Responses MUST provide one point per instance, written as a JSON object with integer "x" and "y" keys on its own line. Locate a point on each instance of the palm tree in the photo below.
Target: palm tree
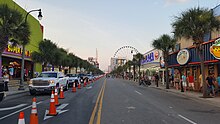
{"x": 165, "y": 43}
{"x": 129, "y": 63}
{"x": 46, "y": 54}
{"x": 12, "y": 29}
{"x": 138, "y": 57}
{"x": 194, "y": 24}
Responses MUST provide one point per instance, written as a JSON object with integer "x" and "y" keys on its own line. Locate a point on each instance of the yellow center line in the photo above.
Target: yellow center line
{"x": 100, "y": 106}
{"x": 91, "y": 121}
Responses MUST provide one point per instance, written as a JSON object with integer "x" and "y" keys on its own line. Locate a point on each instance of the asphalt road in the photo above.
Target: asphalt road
{"x": 76, "y": 107}
{"x": 113, "y": 101}
{"x": 127, "y": 103}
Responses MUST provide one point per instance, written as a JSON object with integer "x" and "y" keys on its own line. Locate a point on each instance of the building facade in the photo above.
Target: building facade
{"x": 153, "y": 63}
{"x": 185, "y": 59}
{"x": 11, "y": 57}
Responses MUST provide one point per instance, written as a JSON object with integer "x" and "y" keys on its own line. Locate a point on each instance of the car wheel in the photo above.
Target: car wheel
{"x": 32, "y": 92}
{"x": 66, "y": 87}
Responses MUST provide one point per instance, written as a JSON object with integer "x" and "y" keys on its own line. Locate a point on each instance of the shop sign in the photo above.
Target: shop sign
{"x": 215, "y": 49}
{"x": 149, "y": 57}
{"x": 16, "y": 50}
{"x": 156, "y": 55}
{"x": 183, "y": 56}
{"x": 162, "y": 63}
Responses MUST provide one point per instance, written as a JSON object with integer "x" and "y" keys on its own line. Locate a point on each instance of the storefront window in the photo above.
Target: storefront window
{"x": 210, "y": 69}
{"x": 187, "y": 71}
{"x": 194, "y": 71}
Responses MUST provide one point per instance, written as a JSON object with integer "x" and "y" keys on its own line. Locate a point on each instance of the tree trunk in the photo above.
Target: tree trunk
{"x": 166, "y": 69}
{"x": 129, "y": 73}
{"x": 200, "y": 52}
{"x": 69, "y": 69}
{"x": 0, "y": 65}
{"x": 139, "y": 72}
{"x": 134, "y": 72}
{"x": 21, "y": 87}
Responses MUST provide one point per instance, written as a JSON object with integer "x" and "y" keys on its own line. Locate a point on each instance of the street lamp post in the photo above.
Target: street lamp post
{"x": 21, "y": 87}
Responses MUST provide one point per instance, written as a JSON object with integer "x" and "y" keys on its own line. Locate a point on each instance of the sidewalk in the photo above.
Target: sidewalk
{"x": 13, "y": 90}
{"x": 191, "y": 94}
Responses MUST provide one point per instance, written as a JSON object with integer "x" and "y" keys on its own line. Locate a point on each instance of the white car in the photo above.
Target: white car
{"x": 73, "y": 78}
{"x": 47, "y": 81}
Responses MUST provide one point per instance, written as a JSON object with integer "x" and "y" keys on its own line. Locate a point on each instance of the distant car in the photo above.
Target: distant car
{"x": 47, "y": 81}
{"x": 90, "y": 77}
{"x": 73, "y": 78}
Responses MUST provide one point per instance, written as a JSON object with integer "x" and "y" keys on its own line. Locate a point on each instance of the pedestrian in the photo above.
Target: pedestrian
{"x": 156, "y": 79}
{"x": 190, "y": 80}
{"x": 210, "y": 84}
{"x": 177, "y": 80}
{"x": 184, "y": 82}
{"x": 218, "y": 81}
{"x": 153, "y": 78}
{"x": 6, "y": 80}
{"x": 200, "y": 82}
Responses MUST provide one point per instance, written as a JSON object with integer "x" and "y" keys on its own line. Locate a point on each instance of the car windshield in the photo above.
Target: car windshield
{"x": 47, "y": 75}
{"x": 71, "y": 75}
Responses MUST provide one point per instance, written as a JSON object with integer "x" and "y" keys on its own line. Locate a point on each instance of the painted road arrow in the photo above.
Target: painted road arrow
{"x": 58, "y": 109}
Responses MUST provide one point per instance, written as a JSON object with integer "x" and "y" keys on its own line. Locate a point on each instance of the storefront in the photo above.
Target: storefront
{"x": 152, "y": 63}
{"x": 11, "y": 57}
{"x": 187, "y": 61}
{"x": 11, "y": 62}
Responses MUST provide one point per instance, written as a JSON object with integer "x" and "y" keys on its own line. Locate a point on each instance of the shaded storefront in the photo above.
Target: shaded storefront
{"x": 11, "y": 62}
{"x": 187, "y": 61}
{"x": 151, "y": 64}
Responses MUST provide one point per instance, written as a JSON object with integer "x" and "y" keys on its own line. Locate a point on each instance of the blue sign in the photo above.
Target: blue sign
{"x": 148, "y": 58}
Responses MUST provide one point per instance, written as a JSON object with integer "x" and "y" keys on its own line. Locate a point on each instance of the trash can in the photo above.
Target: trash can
{"x": 2, "y": 93}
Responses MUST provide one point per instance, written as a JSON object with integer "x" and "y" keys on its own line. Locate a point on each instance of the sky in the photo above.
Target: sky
{"x": 82, "y": 26}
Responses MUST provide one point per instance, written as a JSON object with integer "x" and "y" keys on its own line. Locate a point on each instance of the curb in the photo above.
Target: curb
{"x": 16, "y": 93}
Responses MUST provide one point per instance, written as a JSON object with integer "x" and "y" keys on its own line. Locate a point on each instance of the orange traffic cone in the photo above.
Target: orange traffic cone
{"x": 56, "y": 98}
{"x": 61, "y": 93}
{"x": 34, "y": 117}
{"x": 21, "y": 118}
{"x": 84, "y": 84}
{"x": 79, "y": 85}
{"x": 52, "y": 110}
{"x": 74, "y": 87}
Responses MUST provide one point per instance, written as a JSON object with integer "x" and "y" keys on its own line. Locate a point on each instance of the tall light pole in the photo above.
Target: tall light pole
{"x": 21, "y": 87}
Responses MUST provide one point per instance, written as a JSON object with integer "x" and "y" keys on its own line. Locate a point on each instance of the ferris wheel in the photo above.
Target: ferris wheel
{"x": 125, "y": 53}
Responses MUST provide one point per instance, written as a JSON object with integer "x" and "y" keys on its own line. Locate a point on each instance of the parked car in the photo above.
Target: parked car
{"x": 2, "y": 93}
{"x": 73, "y": 78}
{"x": 90, "y": 77}
{"x": 47, "y": 81}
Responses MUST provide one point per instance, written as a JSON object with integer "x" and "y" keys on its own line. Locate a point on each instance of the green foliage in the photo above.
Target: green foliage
{"x": 12, "y": 27}
{"x": 164, "y": 43}
{"x": 50, "y": 53}
{"x": 195, "y": 23}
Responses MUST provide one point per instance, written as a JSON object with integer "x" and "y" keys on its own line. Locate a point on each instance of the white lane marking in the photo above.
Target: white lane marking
{"x": 138, "y": 92}
{"x": 18, "y": 111}
{"x": 170, "y": 107}
{"x": 90, "y": 87}
{"x": 190, "y": 121}
{"x": 131, "y": 107}
{"x": 62, "y": 106}
{"x": 14, "y": 107}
